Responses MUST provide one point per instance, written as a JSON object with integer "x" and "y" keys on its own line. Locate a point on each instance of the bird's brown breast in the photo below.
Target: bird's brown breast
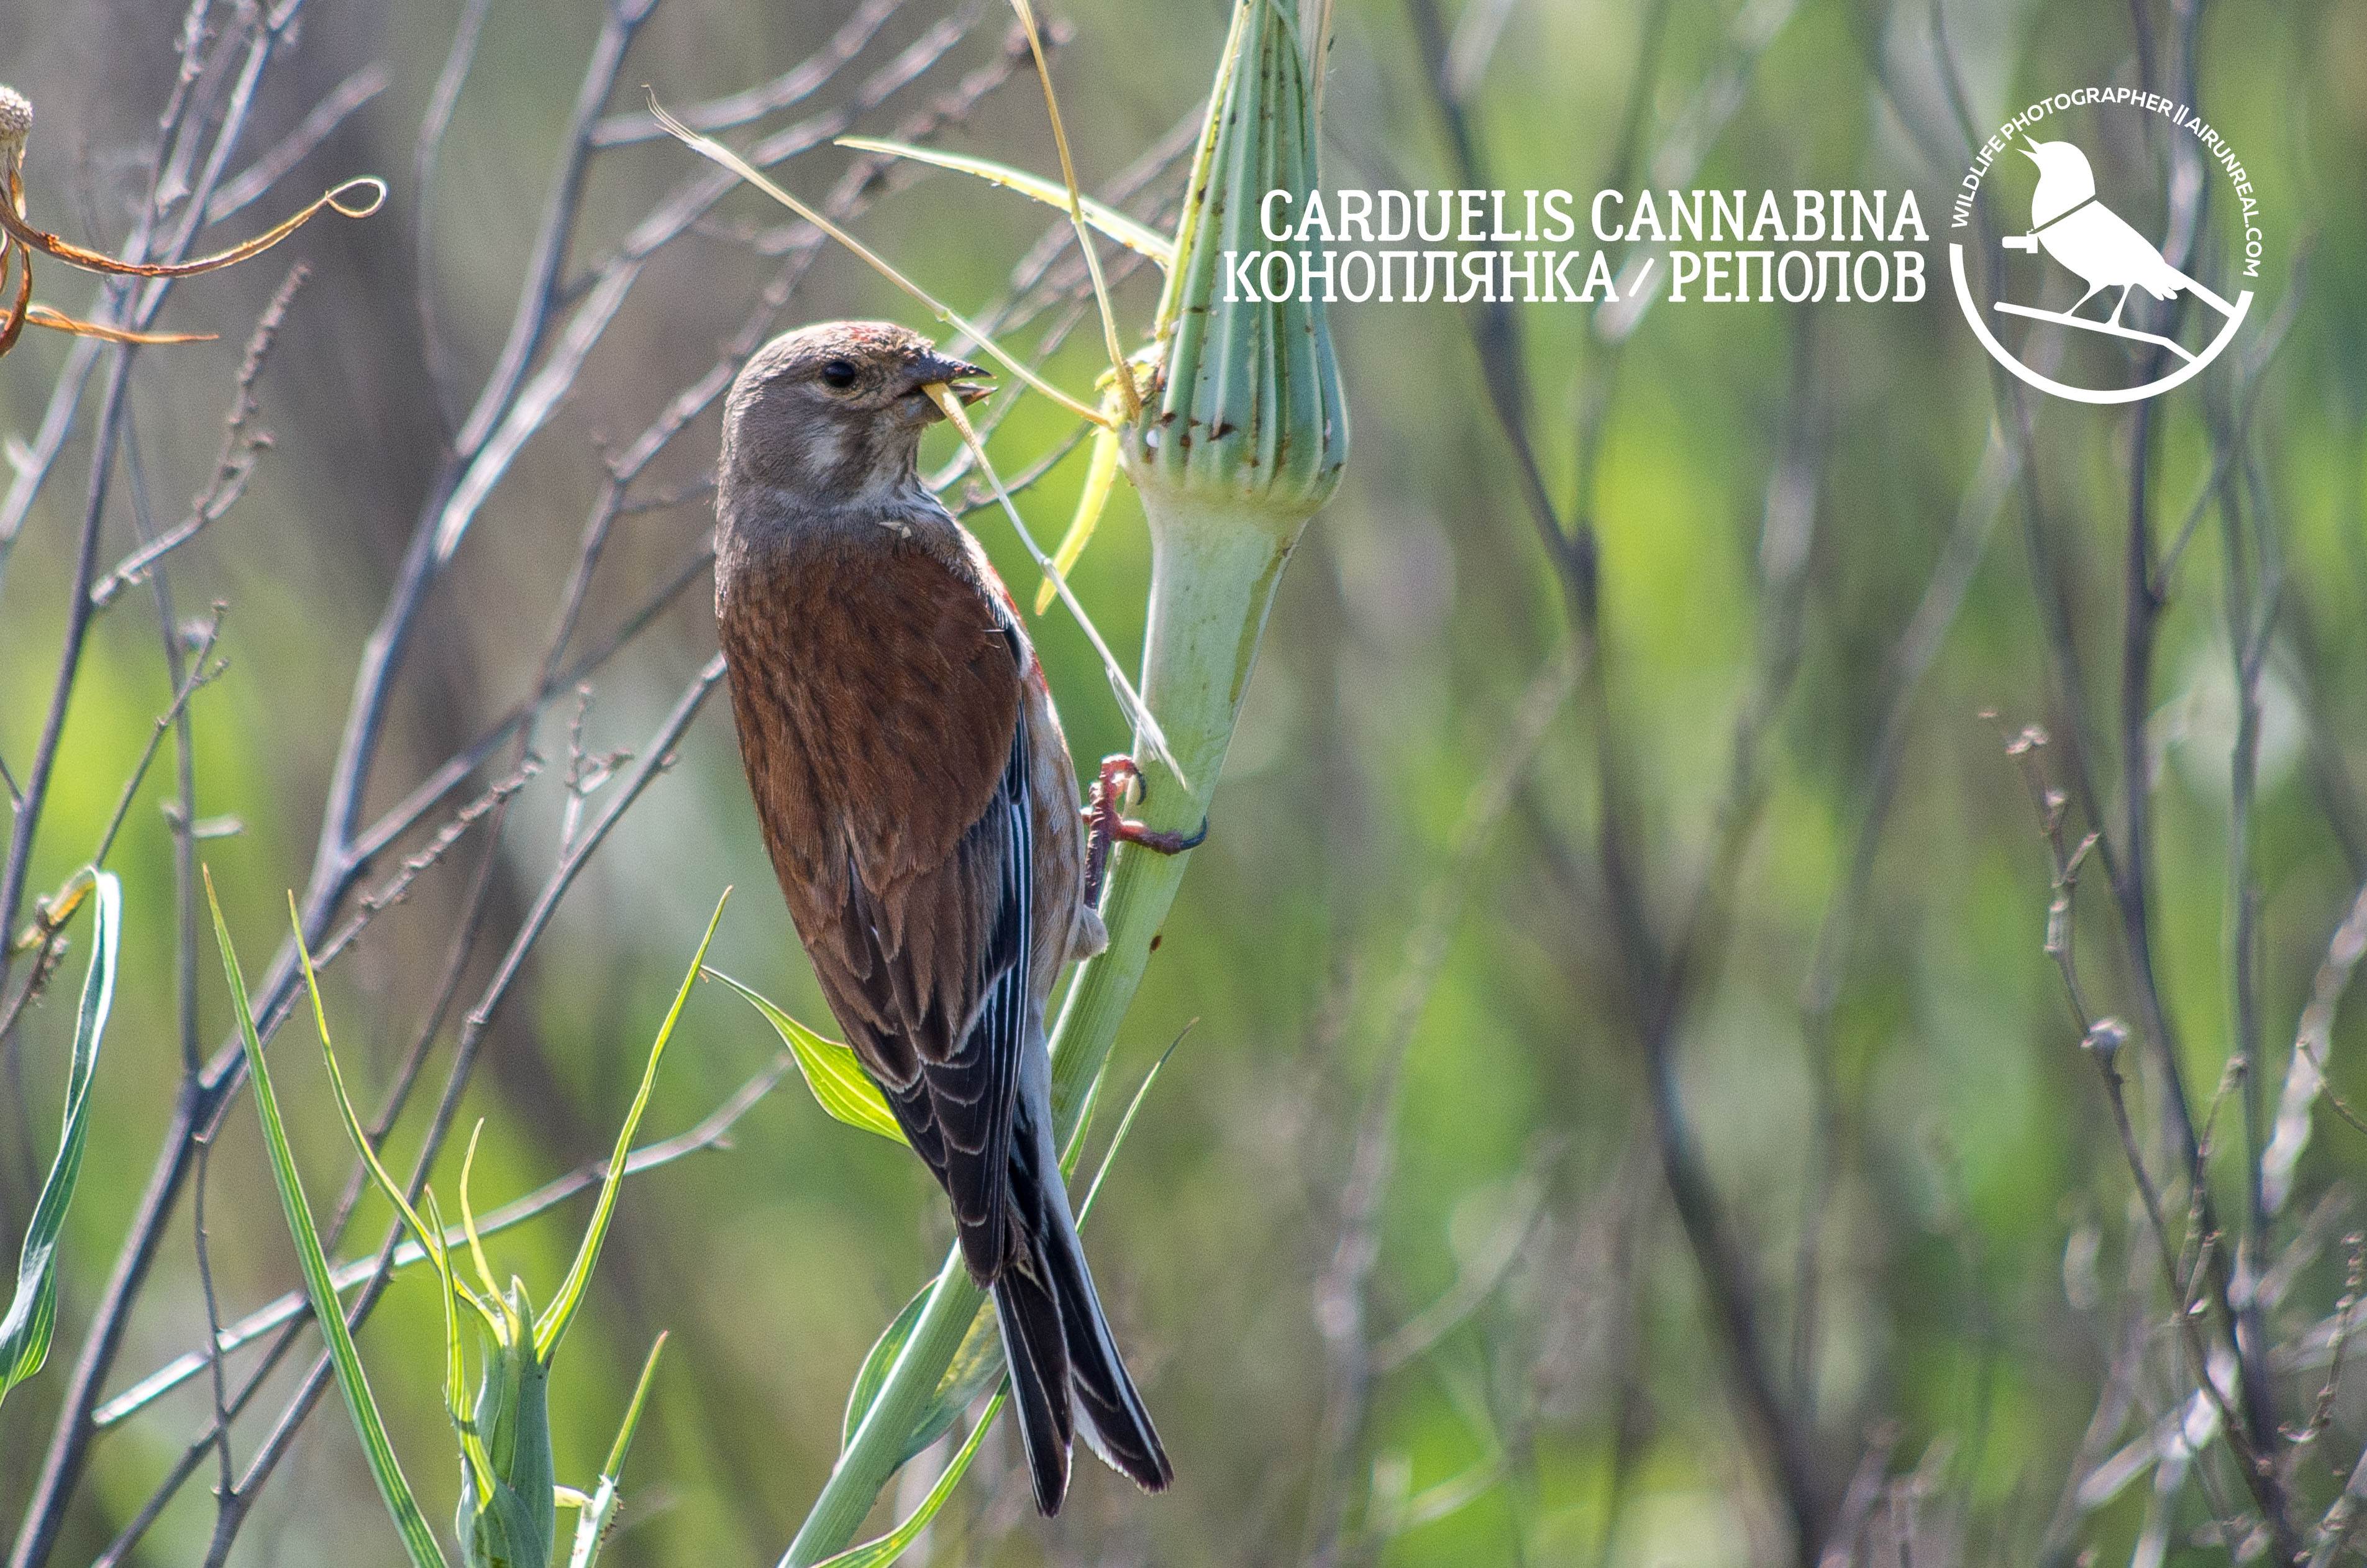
{"x": 876, "y": 700}
{"x": 876, "y": 696}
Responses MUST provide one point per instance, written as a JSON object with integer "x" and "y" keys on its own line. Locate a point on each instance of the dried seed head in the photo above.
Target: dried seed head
{"x": 16, "y": 123}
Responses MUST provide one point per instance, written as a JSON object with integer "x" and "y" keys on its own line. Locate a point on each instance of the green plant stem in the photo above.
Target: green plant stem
{"x": 1212, "y": 581}
{"x": 878, "y": 1447}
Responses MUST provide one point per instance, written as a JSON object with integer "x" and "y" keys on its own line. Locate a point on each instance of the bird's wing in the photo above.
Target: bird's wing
{"x": 878, "y": 699}
{"x": 957, "y": 1111}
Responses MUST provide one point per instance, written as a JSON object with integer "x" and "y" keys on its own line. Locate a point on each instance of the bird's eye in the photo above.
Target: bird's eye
{"x": 838, "y": 373}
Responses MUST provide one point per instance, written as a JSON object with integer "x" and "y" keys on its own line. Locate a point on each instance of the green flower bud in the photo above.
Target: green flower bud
{"x": 509, "y": 1512}
{"x": 1249, "y": 412}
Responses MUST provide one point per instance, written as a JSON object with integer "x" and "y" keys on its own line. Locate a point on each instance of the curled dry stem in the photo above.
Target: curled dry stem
{"x": 20, "y": 238}
{"x": 341, "y": 200}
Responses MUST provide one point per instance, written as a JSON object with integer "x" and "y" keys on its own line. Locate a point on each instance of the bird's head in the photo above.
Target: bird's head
{"x": 2059, "y": 161}
{"x": 834, "y": 412}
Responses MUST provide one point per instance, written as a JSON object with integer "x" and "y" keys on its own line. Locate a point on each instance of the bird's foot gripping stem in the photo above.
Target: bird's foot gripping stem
{"x": 1107, "y": 826}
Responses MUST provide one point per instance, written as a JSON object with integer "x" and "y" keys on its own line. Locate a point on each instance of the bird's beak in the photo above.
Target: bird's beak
{"x": 944, "y": 370}
{"x": 2028, "y": 149}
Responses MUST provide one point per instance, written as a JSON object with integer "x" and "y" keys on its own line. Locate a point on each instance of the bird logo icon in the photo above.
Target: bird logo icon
{"x": 2075, "y": 227}
{"x": 2092, "y": 241}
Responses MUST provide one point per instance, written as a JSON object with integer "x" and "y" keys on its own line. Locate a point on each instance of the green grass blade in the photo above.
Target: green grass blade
{"x": 32, "y": 1309}
{"x": 552, "y": 1326}
{"x": 1099, "y": 473}
{"x": 1147, "y": 729}
{"x": 1074, "y": 205}
{"x": 873, "y": 1374}
{"x": 456, "y": 1366}
{"x": 1137, "y": 237}
{"x": 599, "y": 1510}
{"x": 418, "y": 1539}
{"x": 896, "y": 1542}
{"x": 976, "y": 1367}
{"x": 1108, "y": 221}
{"x": 714, "y": 152}
{"x": 1196, "y": 186}
{"x": 619, "y": 1450}
{"x": 1125, "y": 1125}
{"x": 429, "y": 1231}
{"x": 830, "y": 1069}
{"x": 350, "y": 1274}
{"x": 354, "y": 1131}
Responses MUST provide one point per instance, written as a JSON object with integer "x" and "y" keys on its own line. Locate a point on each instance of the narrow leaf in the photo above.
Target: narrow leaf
{"x": 619, "y": 1450}
{"x": 1199, "y": 183}
{"x": 715, "y": 152}
{"x": 839, "y": 1084}
{"x": 1091, "y": 503}
{"x": 354, "y": 1131}
{"x": 429, "y": 1234}
{"x": 552, "y": 1325}
{"x": 872, "y": 1376}
{"x": 976, "y": 1366}
{"x": 418, "y": 1540}
{"x": 896, "y": 1542}
{"x": 1073, "y": 200}
{"x": 1128, "y": 698}
{"x": 1125, "y": 1125}
{"x": 1134, "y": 236}
{"x": 277, "y": 1313}
{"x": 598, "y": 1511}
{"x": 493, "y": 1292}
{"x": 32, "y": 1309}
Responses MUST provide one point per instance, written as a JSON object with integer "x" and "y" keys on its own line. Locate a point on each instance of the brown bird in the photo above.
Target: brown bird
{"x": 917, "y": 800}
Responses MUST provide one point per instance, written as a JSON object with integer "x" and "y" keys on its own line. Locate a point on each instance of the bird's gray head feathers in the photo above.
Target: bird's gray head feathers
{"x": 834, "y": 412}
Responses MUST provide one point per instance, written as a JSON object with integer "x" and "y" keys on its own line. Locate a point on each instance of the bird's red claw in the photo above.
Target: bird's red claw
{"x": 1107, "y": 826}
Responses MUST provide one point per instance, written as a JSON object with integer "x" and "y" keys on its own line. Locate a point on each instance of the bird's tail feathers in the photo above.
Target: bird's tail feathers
{"x": 1033, "y": 1346}
{"x": 1066, "y": 1377}
{"x": 1110, "y": 1415}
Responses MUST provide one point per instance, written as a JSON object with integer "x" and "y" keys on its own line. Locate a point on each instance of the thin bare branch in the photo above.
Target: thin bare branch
{"x": 244, "y": 444}
{"x": 792, "y": 86}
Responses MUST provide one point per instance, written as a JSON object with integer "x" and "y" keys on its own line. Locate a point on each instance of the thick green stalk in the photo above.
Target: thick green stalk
{"x": 872, "y": 1456}
{"x": 1212, "y": 584}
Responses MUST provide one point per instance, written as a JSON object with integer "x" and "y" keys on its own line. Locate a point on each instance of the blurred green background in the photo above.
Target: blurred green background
{"x": 1561, "y": 1395}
